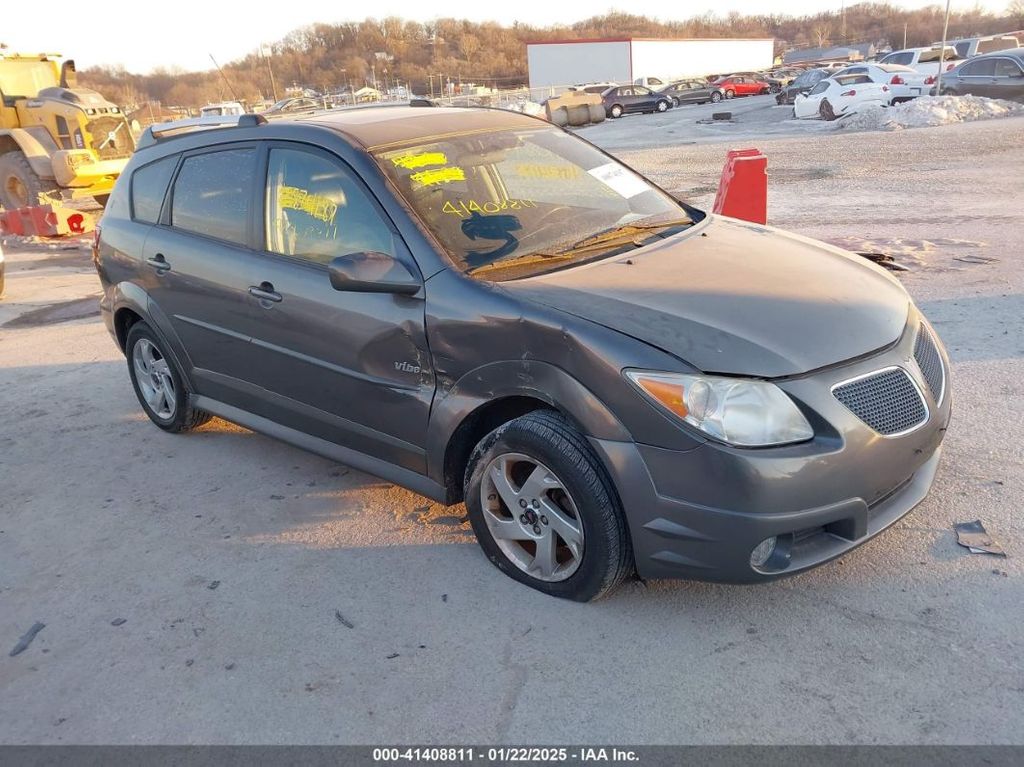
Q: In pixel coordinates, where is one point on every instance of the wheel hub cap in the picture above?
(532, 518)
(153, 376)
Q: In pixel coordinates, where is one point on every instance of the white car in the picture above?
(834, 97)
(904, 82)
(925, 60)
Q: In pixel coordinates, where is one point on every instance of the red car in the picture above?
(738, 85)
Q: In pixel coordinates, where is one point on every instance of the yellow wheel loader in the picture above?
(57, 141)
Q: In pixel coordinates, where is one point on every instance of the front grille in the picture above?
(887, 400)
(926, 354)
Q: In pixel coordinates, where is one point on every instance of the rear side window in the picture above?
(899, 58)
(997, 44)
(212, 194)
(821, 87)
(149, 185)
(982, 68)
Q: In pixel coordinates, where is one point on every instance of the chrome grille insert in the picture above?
(887, 400)
(926, 354)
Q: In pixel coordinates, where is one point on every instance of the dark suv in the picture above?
(480, 306)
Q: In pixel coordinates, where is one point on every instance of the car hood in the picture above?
(735, 298)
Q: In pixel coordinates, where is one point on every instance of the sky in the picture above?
(183, 33)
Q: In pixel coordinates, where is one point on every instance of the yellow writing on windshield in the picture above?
(466, 208)
(550, 172)
(411, 161)
(438, 176)
(317, 206)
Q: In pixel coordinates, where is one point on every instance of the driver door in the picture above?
(350, 367)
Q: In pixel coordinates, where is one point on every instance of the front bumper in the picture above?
(699, 513)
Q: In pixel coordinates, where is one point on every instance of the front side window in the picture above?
(212, 194)
(149, 185)
(316, 209)
(516, 202)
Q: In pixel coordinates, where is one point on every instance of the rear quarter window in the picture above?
(149, 185)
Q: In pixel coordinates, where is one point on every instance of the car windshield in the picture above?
(517, 202)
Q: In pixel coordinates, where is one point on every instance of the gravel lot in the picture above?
(270, 596)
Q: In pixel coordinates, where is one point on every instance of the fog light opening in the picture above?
(763, 552)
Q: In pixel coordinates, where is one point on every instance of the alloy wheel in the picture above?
(153, 376)
(532, 517)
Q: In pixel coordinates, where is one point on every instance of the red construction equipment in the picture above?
(743, 188)
(45, 221)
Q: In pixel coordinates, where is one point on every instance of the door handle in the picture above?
(159, 263)
(265, 292)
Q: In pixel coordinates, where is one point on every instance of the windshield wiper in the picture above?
(524, 260)
(625, 232)
(610, 238)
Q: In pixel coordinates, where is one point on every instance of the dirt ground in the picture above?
(222, 587)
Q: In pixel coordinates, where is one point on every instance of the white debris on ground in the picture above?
(928, 111)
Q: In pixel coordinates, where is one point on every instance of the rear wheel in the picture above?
(158, 383)
(19, 185)
(730, 94)
(826, 111)
(544, 510)
(615, 111)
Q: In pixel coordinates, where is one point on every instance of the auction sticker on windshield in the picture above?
(619, 180)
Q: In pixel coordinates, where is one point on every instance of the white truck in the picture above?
(925, 60)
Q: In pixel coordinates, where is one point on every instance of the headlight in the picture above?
(741, 412)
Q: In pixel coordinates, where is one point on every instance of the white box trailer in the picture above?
(561, 63)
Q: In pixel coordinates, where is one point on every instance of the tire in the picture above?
(662, 106)
(730, 94)
(716, 97)
(615, 111)
(167, 403)
(826, 111)
(576, 492)
(19, 184)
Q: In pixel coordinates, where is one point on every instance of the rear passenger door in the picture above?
(349, 367)
(195, 262)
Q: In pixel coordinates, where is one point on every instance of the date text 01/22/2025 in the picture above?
(503, 754)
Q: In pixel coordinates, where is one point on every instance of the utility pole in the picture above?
(270, 70)
(842, 26)
(942, 52)
(904, 35)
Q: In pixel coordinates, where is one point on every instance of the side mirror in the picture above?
(372, 272)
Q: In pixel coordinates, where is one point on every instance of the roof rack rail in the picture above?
(154, 133)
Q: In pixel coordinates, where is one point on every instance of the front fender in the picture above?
(516, 378)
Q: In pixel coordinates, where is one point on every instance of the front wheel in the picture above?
(662, 106)
(158, 383)
(730, 94)
(544, 510)
(716, 97)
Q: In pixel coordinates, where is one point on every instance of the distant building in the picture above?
(554, 63)
(835, 53)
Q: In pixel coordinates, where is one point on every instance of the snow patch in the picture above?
(928, 111)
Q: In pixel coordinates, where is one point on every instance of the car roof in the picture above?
(380, 128)
(1017, 53)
